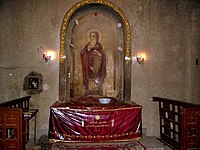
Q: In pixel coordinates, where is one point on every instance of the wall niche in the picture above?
(108, 24)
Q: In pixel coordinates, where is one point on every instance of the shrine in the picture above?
(93, 66)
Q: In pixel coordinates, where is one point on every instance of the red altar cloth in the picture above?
(85, 119)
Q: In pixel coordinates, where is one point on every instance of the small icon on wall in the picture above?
(33, 83)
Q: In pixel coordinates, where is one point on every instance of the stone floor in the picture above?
(151, 143)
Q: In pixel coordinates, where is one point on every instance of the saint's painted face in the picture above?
(92, 36)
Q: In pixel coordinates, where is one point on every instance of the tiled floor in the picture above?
(151, 143)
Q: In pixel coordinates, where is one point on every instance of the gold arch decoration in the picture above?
(87, 2)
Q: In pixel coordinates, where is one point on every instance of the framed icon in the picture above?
(33, 83)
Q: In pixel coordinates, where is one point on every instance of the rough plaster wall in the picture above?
(162, 29)
(195, 55)
(25, 27)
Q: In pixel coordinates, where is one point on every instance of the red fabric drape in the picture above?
(96, 123)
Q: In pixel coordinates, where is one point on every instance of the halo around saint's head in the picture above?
(93, 30)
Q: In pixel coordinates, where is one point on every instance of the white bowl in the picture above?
(104, 100)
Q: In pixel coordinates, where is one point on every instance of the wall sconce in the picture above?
(49, 55)
(140, 58)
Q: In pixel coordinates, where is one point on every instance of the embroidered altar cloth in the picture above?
(85, 119)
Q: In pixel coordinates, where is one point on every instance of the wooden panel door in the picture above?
(11, 123)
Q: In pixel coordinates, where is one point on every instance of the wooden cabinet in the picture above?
(12, 131)
(14, 124)
(179, 124)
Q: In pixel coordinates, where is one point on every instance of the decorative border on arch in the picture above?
(86, 2)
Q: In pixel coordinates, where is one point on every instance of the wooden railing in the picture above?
(179, 124)
(16, 103)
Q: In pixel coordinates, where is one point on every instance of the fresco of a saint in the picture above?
(93, 60)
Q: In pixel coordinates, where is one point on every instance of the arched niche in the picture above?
(114, 35)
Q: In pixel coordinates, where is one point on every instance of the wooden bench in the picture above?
(14, 123)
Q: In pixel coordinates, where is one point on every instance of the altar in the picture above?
(86, 120)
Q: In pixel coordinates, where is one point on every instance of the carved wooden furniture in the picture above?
(88, 120)
(14, 123)
(179, 124)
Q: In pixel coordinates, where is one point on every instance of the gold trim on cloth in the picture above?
(87, 2)
(96, 110)
(108, 141)
(99, 136)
